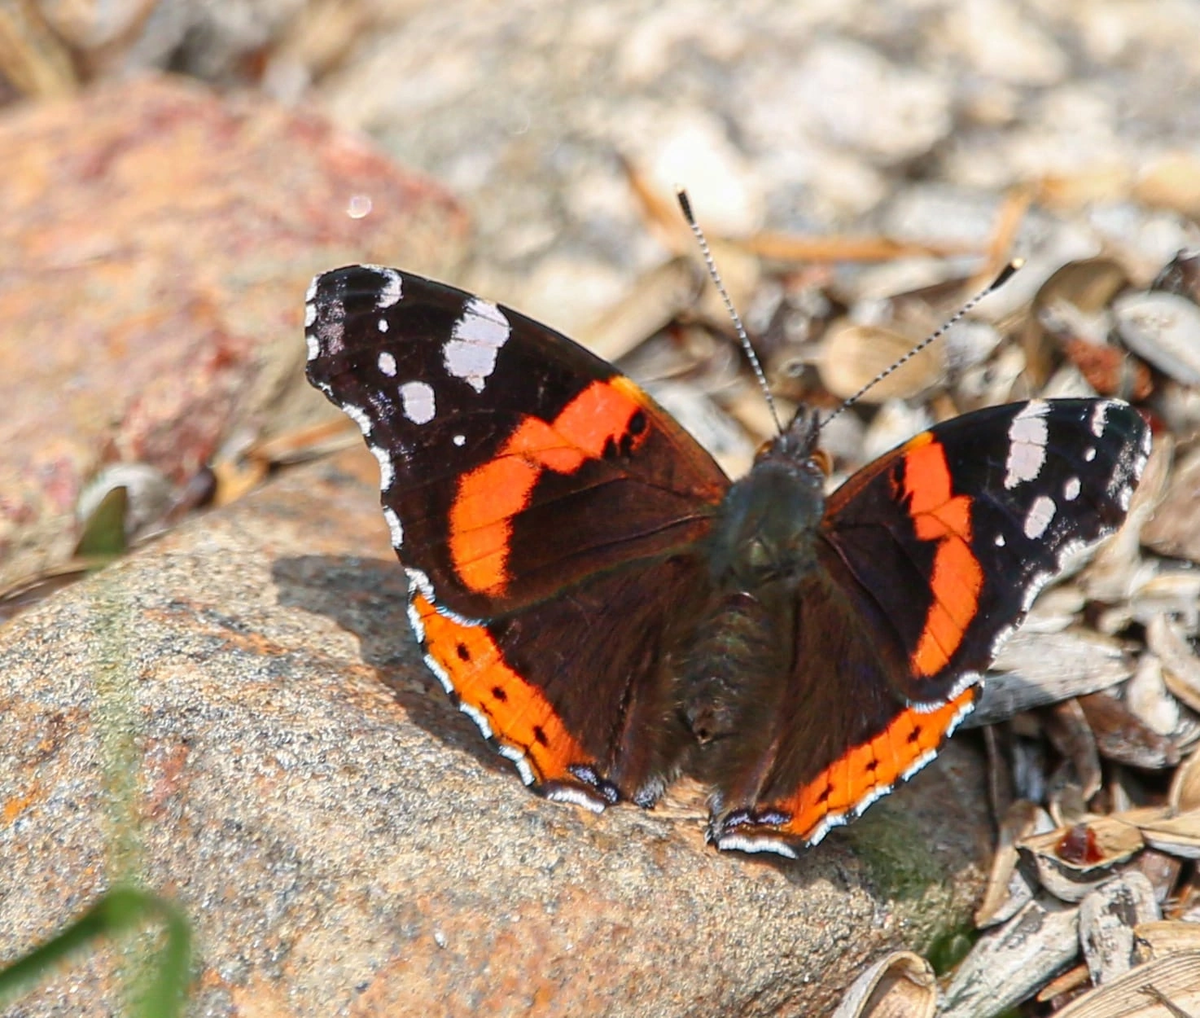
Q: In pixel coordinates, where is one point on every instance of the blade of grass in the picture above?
(120, 910)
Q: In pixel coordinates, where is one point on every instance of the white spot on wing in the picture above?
(419, 583)
(827, 824)
(1089, 454)
(740, 843)
(329, 322)
(965, 709)
(1071, 489)
(876, 793)
(1099, 418)
(359, 416)
(440, 673)
(999, 541)
(387, 473)
(387, 364)
(383, 325)
(964, 682)
(395, 526)
(314, 348)
(925, 758)
(414, 620)
(477, 716)
(1039, 516)
(518, 758)
(419, 405)
(459, 440)
(577, 796)
(470, 353)
(310, 314)
(390, 291)
(1027, 436)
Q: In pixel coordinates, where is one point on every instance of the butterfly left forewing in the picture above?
(511, 459)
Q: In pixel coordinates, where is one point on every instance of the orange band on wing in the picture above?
(600, 418)
(872, 767)
(957, 577)
(519, 715)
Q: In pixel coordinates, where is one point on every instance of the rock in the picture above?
(1000, 42)
(158, 240)
(344, 842)
(908, 115)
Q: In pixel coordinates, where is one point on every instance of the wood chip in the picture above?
(852, 355)
(1181, 667)
(1107, 918)
(1164, 937)
(1070, 862)
(1035, 670)
(1067, 727)
(1173, 529)
(1123, 737)
(656, 299)
(1162, 328)
(902, 985)
(1140, 992)
(1009, 964)
(1009, 889)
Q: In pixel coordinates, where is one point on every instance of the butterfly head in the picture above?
(766, 529)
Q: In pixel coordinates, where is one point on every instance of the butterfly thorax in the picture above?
(766, 528)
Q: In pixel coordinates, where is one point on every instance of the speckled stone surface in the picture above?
(343, 840)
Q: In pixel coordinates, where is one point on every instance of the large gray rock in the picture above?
(237, 717)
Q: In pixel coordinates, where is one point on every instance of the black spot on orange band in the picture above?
(519, 714)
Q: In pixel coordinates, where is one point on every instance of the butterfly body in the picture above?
(612, 611)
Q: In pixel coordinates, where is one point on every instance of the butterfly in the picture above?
(613, 611)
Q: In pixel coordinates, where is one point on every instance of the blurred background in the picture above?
(910, 118)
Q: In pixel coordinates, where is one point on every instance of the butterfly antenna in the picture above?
(686, 205)
(1003, 277)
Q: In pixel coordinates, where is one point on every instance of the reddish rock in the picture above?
(158, 240)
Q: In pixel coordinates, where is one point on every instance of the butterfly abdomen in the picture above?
(730, 681)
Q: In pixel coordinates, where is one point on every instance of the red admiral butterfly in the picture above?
(612, 611)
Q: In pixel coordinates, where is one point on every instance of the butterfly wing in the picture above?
(991, 504)
(547, 511)
(929, 558)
